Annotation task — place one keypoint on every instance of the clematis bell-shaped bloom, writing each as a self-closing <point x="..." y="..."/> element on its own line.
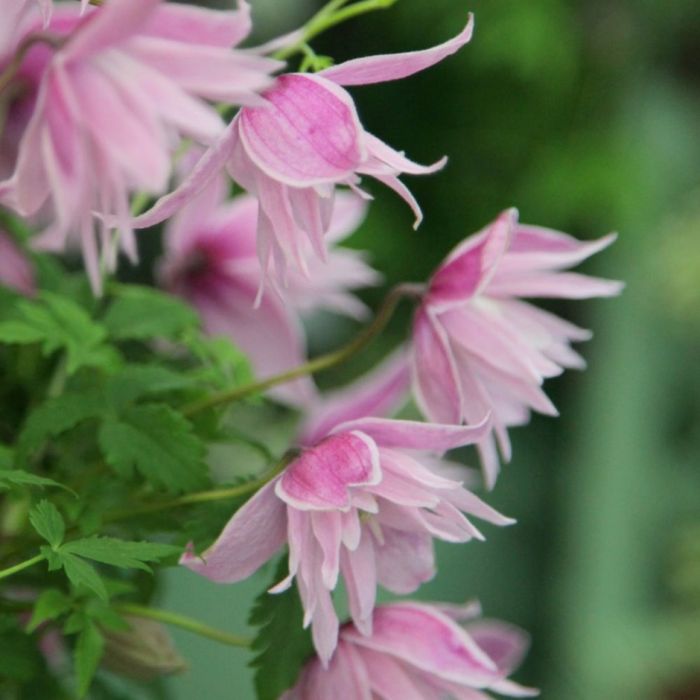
<point x="358" y="504"/>
<point x="122" y="85"/>
<point x="419" y="651"/>
<point x="292" y="152"/>
<point x="15" y="270"/>
<point x="211" y="261"/>
<point x="478" y="347"/>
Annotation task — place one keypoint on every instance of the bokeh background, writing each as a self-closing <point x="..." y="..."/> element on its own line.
<point x="584" y="114"/>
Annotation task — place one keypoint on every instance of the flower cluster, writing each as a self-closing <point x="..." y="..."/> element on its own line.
<point x="113" y="106"/>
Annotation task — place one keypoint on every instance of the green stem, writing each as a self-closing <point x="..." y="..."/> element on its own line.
<point x="202" y="496"/>
<point x="318" y="364"/>
<point x="10" y="571"/>
<point x="332" y="14"/>
<point x="185" y="623"/>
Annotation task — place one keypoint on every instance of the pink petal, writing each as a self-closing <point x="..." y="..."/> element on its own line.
<point x="308" y="134"/>
<point x="382" y="68"/>
<point x="348" y="212"/>
<point x="327" y="529"/>
<point x="472" y="264"/>
<point x="428" y="640"/>
<point x="360" y="576"/>
<point x="376" y="394"/>
<point x="562" y="285"/>
<point x="435" y="375"/>
<point x="107" y="26"/>
<point x="254" y="534"/>
<point x="388" y="678"/>
<point x="208" y="166"/>
<point x="414" y="435"/>
<point x="405" y="560"/>
<point x="321" y="477"/>
<point x="199" y="25"/>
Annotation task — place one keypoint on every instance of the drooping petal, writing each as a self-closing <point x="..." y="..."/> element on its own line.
<point x="254" y="534"/>
<point x="414" y="435"/>
<point x="428" y="640"/>
<point x="309" y="133"/>
<point x="405" y="560"/>
<point x="321" y="477"/>
<point x="360" y="575"/>
<point x="382" y="68"/>
<point x="389" y="679"/>
<point x="471" y="265"/>
<point x="435" y="375"/>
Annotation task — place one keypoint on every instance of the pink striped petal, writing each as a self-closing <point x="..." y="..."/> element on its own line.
<point x="321" y="477"/>
<point x="414" y="435"/>
<point x="309" y="133"/>
<point x="428" y="640"/>
<point x="254" y="534"/>
<point x="382" y="68"/>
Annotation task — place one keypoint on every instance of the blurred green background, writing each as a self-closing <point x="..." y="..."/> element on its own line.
<point x="584" y="114"/>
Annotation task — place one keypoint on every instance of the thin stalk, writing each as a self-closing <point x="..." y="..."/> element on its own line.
<point x="318" y="364"/>
<point x="10" y="571"/>
<point x="185" y="623"/>
<point x="202" y="496"/>
<point x="331" y="14"/>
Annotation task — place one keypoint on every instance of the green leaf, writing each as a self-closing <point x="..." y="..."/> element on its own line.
<point x="223" y="364"/>
<point x="159" y="443"/>
<point x="282" y="645"/>
<point x="56" y="416"/>
<point x="51" y="604"/>
<point x="59" y="324"/>
<point x="7" y="457"/>
<point x="82" y="574"/>
<point x="47" y="521"/>
<point x="136" y="381"/>
<point x="17" y="477"/>
<point x="88" y="652"/>
<point x="140" y="313"/>
<point x="115" y="552"/>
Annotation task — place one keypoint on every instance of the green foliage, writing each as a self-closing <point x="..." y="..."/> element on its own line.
<point x="10" y="478"/>
<point x="88" y="652"/>
<point x="140" y="313"/>
<point x="115" y="552"/>
<point x="58" y="323"/>
<point x="48" y="522"/>
<point x="278" y="617"/>
<point x="159" y="443"/>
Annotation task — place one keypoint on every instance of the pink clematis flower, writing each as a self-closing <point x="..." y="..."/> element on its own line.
<point x="211" y="261"/>
<point x="357" y="504"/>
<point x="478" y="347"/>
<point x="419" y="652"/>
<point x="15" y="269"/>
<point x="292" y="152"/>
<point x="123" y="85"/>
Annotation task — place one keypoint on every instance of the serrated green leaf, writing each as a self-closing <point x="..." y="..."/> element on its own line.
<point x="115" y="552"/>
<point x="59" y="324"/>
<point x="282" y="645"/>
<point x="56" y="416"/>
<point x="17" y="477"/>
<point x="140" y="313"/>
<point x="88" y="652"/>
<point x="136" y="381"/>
<point x="47" y="521"/>
<point x="159" y="443"/>
<point x="82" y="574"/>
<point x="51" y="604"/>
<point x="223" y="364"/>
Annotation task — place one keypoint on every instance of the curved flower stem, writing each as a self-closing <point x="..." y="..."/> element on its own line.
<point x="203" y="496"/>
<point x="10" y="571"/>
<point x="15" y="64"/>
<point x="318" y="364"/>
<point x="184" y="622"/>
<point x="331" y="14"/>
